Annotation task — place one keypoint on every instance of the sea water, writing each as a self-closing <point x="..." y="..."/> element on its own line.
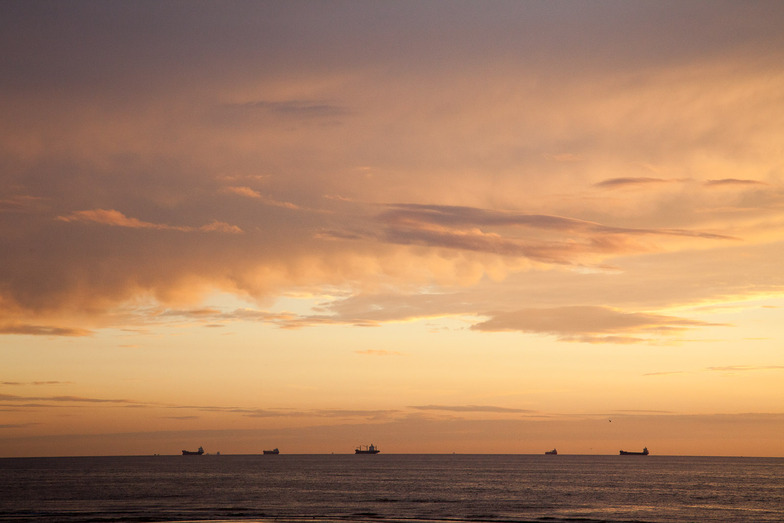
<point x="389" y="487"/>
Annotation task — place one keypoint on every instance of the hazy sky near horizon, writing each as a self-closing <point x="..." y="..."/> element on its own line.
<point x="435" y="226"/>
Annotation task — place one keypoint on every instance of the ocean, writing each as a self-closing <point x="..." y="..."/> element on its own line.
<point x="392" y="488"/>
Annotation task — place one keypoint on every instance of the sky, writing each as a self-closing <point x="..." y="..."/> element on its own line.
<point x="439" y="226"/>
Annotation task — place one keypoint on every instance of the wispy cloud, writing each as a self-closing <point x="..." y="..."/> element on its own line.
<point x="20" y="203"/>
<point x="115" y="218"/>
<point x="36" y="383"/>
<point x="733" y="182"/>
<point x="17" y="425"/>
<point x="587" y="323"/>
<point x="288" y="320"/>
<point x="67" y="399"/>
<point x="451" y="216"/>
<point x="471" y="408"/>
<point x="632" y="182"/>
<point x="256" y="412"/>
<point x="746" y="368"/>
<point x="645" y="411"/>
<point x="243" y="191"/>
<point x="248" y="192"/>
<point x="540" y="237"/>
<point x="43" y="330"/>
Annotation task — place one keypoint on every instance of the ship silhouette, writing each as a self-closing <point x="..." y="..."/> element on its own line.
<point x="369" y="449"/>
<point x="628" y="453"/>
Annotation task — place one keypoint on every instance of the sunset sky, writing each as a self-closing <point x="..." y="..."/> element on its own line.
<point x="436" y="226"/>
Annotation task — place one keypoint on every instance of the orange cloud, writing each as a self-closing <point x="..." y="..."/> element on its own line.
<point x="243" y="191"/>
<point x="118" y="219"/>
<point x="586" y="323"/>
<point x="43" y="330"/>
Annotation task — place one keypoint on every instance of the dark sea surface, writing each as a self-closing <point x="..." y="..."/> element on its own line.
<point x="393" y="487"/>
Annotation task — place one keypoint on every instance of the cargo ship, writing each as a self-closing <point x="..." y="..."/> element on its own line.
<point x="371" y="449"/>
<point x="192" y="453"/>
<point x="643" y="453"/>
<point x="273" y="451"/>
<point x="553" y="452"/>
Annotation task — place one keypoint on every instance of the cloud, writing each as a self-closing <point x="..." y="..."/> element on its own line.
<point x="255" y="412"/>
<point x="118" y="219"/>
<point x="645" y="411"/>
<point x="254" y="194"/>
<point x="471" y="408"/>
<point x="65" y="399"/>
<point x="733" y="182"/>
<point x="201" y="312"/>
<point x="401" y="306"/>
<point x="288" y="320"/>
<point x="746" y="368"/>
<point x="21" y="204"/>
<point x="15" y="383"/>
<point x="586" y="323"/>
<point x="539" y="237"/>
<point x="43" y="330"/>
<point x="631" y="182"/>
<point x="243" y="191"/>
<point x="726" y="368"/>
<point x="449" y="216"/>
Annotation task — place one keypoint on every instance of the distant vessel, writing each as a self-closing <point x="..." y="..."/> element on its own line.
<point x="643" y="453"/>
<point x="273" y="451"/>
<point x="191" y="453"/>
<point x="553" y="452"/>
<point x="372" y="449"/>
